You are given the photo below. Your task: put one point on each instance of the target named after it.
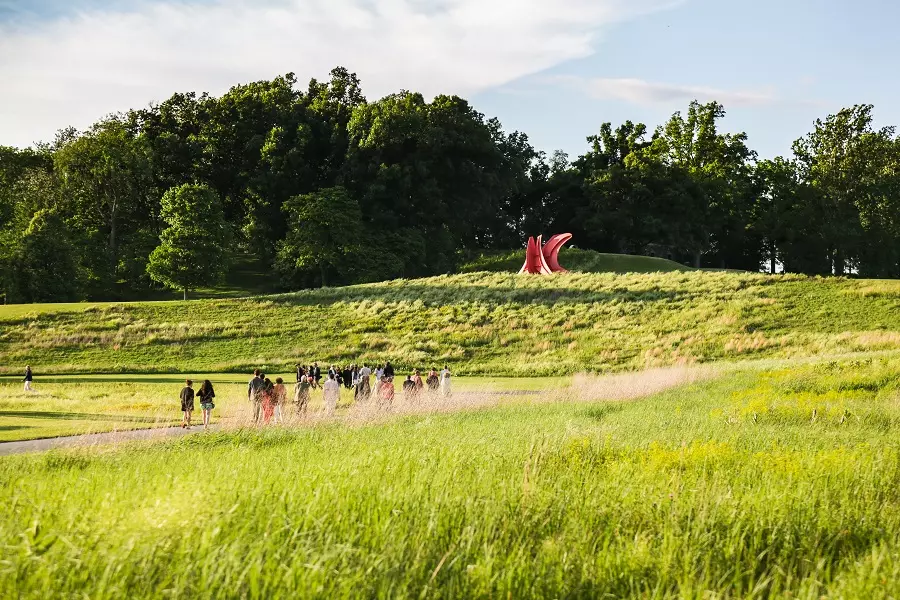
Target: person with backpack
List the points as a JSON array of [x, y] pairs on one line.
[[187, 404], [206, 395]]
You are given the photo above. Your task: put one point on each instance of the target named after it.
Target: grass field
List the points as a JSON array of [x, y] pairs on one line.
[[491, 324], [781, 482], [74, 405]]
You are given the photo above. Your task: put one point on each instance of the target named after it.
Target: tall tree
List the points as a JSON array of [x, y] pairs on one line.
[[193, 249], [323, 237], [105, 175], [42, 267]]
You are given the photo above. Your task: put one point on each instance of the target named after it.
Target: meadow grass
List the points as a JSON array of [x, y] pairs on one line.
[[492, 324], [75, 405], [758, 484]]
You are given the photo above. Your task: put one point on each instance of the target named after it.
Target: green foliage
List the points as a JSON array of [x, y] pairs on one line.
[[323, 236], [193, 248], [42, 267], [434, 179]]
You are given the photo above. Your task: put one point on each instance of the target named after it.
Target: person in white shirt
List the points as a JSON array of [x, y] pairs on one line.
[[332, 394], [445, 381], [363, 388]]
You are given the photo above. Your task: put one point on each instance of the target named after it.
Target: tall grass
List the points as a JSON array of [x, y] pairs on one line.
[[761, 484], [480, 323]]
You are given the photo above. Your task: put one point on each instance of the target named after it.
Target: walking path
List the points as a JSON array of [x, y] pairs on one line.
[[112, 437], [91, 439]]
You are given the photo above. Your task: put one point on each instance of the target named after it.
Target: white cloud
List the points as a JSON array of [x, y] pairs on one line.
[[73, 70], [640, 91]]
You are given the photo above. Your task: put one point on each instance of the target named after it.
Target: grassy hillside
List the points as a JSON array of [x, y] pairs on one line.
[[573, 259], [480, 323], [778, 484]]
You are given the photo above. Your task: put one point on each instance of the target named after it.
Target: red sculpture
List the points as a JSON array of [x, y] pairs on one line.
[[542, 260]]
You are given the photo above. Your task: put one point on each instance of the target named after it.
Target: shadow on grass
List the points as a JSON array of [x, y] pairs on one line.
[[600, 413], [73, 416], [14, 427]]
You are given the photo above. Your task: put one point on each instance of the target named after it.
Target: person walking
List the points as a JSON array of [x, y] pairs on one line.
[[254, 394], [316, 373], [417, 380], [388, 370], [280, 397], [409, 389], [364, 385], [432, 381], [332, 394], [445, 381], [29, 377], [187, 403], [268, 400], [301, 396], [301, 371], [206, 395], [348, 377]]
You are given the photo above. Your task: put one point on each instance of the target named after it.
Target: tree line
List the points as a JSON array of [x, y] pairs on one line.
[[324, 187]]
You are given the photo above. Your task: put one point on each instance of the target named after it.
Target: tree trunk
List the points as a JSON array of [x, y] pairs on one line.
[[772, 259], [185, 293], [322, 271], [697, 256]]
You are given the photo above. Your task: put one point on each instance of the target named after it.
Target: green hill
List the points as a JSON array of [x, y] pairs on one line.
[[576, 260], [480, 323]]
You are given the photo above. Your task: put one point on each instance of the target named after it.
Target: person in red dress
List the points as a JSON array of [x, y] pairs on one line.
[[268, 403]]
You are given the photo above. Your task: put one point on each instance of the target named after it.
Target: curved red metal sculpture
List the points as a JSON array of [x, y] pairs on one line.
[[543, 259]]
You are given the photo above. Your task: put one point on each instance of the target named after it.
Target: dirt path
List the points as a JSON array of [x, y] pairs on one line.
[[93, 439], [618, 387]]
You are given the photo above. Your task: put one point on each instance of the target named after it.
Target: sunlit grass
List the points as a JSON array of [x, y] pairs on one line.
[[596, 493], [491, 324]]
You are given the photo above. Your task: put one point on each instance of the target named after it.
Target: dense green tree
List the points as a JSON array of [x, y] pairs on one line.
[[324, 237], [42, 266], [106, 186], [193, 249]]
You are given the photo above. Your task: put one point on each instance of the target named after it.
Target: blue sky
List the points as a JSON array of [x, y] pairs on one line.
[[555, 70]]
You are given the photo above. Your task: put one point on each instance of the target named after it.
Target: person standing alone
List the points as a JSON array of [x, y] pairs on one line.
[[28, 378]]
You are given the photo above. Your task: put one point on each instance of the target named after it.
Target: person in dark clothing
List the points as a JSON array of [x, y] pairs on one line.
[[206, 395], [348, 377], [388, 370], [409, 388], [316, 373], [187, 403], [300, 373], [28, 378]]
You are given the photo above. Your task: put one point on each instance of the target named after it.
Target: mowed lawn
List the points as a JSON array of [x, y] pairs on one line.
[[780, 482], [487, 324], [73, 405]]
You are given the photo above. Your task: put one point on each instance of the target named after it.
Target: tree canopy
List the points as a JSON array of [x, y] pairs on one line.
[[303, 177]]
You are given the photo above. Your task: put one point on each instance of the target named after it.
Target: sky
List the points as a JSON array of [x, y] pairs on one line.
[[555, 69]]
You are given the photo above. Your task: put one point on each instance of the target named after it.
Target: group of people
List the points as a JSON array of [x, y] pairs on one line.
[[269, 400]]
